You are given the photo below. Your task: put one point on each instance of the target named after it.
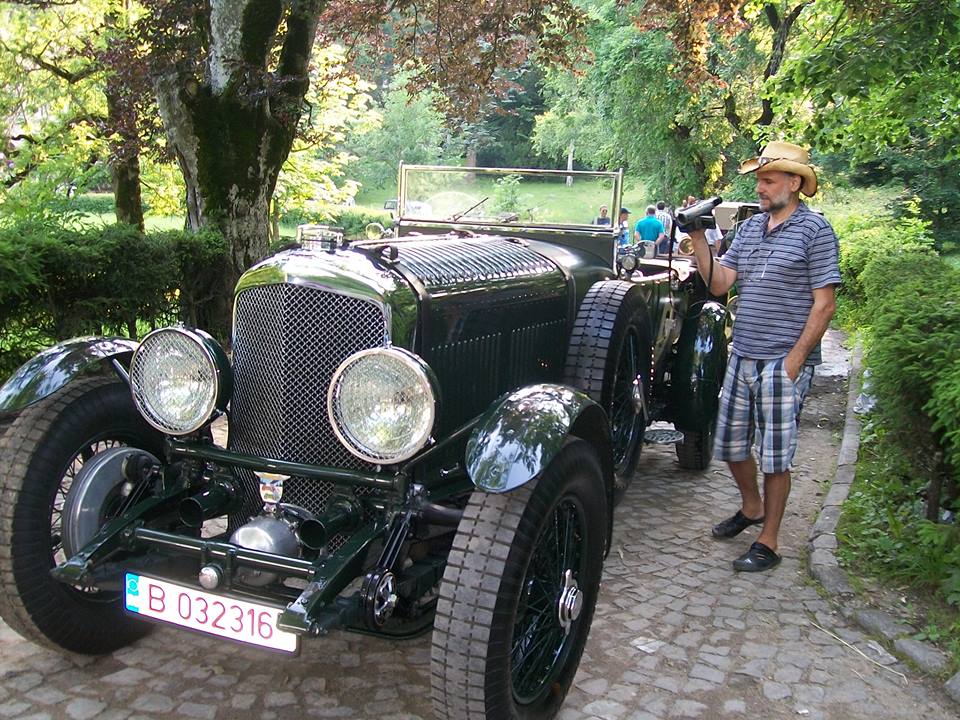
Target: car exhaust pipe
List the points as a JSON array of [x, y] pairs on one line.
[[218, 498], [315, 533]]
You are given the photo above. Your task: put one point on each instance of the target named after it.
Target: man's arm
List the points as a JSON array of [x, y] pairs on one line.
[[723, 277], [824, 305]]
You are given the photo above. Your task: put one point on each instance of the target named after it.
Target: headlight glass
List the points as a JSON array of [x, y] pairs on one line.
[[175, 380], [382, 404]]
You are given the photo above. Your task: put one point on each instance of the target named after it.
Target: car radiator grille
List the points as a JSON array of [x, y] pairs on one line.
[[288, 340]]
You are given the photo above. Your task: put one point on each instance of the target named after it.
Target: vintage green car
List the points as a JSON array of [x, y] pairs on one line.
[[427, 428]]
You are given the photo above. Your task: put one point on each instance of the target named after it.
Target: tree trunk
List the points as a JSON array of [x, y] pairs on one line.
[[570, 164], [125, 178], [125, 146], [232, 132], [471, 162]]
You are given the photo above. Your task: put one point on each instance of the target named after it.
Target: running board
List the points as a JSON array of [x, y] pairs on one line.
[[662, 437]]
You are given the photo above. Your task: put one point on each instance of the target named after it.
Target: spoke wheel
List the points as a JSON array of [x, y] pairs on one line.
[[518, 594], [541, 634], [609, 359], [42, 453]]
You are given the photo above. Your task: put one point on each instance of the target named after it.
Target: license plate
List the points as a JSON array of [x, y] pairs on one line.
[[240, 620]]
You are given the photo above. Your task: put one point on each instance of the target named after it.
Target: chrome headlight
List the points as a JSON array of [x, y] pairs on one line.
[[178, 378], [382, 404]]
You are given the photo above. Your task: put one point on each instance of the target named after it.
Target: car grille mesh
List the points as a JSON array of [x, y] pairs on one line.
[[438, 263], [288, 340]]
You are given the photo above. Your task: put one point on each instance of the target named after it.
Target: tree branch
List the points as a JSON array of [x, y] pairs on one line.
[[777, 53], [70, 77], [52, 67]]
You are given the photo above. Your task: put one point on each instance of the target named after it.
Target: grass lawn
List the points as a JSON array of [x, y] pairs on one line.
[[543, 201], [839, 203]]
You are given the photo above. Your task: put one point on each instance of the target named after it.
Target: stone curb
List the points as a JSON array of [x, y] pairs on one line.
[[827, 571]]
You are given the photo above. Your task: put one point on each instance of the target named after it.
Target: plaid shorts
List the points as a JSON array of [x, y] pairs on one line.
[[757, 397]]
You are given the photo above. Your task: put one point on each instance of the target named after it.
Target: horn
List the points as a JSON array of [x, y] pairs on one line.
[[686, 246]]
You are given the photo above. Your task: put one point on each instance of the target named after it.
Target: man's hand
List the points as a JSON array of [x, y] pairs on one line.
[[721, 278], [792, 364], [698, 235]]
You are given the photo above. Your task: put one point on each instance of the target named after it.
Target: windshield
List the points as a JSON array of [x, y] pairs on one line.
[[508, 196]]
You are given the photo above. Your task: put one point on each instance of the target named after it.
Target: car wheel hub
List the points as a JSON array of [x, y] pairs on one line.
[[571, 602]]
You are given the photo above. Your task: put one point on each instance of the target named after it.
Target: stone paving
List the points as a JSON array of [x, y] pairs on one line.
[[677, 633]]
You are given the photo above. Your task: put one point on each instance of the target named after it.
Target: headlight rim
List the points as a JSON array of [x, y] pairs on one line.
[[213, 354], [412, 360]]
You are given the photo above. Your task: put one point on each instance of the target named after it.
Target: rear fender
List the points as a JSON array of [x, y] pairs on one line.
[[49, 371], [521, 433], [697, 373]]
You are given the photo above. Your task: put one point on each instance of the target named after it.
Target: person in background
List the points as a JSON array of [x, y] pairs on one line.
[[664, 216], [714, 239], [785, 263], [624, 224], [649, 229], [603, 218]]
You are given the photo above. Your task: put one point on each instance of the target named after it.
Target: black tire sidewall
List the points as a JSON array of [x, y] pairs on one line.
[[569, 474], [623, 303], [38, 450], [633, 316]]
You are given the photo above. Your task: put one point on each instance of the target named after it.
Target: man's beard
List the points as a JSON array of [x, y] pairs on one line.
[[775, 203]]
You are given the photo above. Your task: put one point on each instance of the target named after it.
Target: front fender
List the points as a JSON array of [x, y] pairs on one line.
[[49, 371], [697, 373], [521, 433]]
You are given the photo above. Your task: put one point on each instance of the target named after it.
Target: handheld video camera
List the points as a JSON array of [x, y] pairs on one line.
[[698, 216]]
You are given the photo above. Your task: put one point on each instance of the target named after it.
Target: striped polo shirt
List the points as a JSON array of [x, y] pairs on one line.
[[777, 272]]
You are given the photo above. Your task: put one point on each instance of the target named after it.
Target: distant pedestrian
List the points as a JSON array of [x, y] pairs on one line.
[[624, 224], [649, 229], [665, 217], [603, 218], [785, 263]]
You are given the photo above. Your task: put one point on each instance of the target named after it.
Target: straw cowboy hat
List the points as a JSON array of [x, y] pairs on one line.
[[785, 157]]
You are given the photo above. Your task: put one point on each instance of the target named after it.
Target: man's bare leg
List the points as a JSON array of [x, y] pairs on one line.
[[745, 475], [776, 490]]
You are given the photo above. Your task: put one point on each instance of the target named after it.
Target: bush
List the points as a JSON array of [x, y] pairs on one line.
[[57, 283], [865, 239], [354, 222], [905, 299], [94, 203]]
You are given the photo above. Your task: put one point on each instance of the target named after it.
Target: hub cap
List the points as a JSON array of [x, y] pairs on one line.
[[571, 602]]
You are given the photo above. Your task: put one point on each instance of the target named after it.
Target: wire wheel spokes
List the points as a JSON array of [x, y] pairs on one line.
[[540, 640], [626, 425], [60, 496]]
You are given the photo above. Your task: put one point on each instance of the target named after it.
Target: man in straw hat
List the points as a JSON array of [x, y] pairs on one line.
[[785, 263]]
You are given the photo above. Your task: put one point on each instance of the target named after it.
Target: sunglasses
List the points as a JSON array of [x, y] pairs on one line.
[[767, 160]]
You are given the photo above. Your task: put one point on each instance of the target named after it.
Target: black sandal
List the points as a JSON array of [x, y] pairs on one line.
[[757, 559], [733, 526]]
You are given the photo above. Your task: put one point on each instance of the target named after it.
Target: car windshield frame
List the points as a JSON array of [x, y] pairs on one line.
[[468, 208]]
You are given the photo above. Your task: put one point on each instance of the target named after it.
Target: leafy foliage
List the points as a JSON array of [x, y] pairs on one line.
[[876, 73], [58, 282], [883, 530], [906, 298], [409, 129]]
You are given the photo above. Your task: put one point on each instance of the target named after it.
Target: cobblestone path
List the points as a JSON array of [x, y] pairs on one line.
[[677, 633]]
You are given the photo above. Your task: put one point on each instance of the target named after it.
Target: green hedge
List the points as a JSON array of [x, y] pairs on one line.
[[905, 300], [353, 222], [57, 283]]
